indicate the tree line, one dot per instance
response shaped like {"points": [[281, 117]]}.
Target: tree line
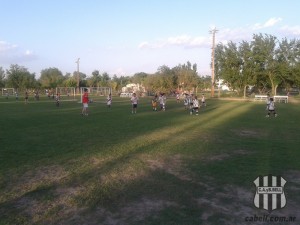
{"points": [[262, 65], [183, 77]]}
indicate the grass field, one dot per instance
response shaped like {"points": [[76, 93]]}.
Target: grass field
{"points": [[114, 167]]}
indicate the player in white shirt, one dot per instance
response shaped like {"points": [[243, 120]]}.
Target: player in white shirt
{"points": [[186, 101], [162, 101], [108, 100], [195, 106], [134, 101], [271, 108], [177, 97]]}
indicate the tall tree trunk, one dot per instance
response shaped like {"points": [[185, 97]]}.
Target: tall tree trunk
{"points": [[275, 89], [272, 83], [245, 90]]}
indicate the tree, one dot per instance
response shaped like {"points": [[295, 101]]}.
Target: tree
{"points": [[2, 78], [69, 82], [288, 58], [228, 65], [264, 62], [104, 80], [51, 78], [139, 78], [264, 54], [165, 80], [95, 79], [82, 79], [248, 75], [18, 77]]}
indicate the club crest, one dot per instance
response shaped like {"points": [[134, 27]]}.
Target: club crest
{"points": [[269, 193]]}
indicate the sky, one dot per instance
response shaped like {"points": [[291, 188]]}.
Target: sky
{"points": [[124, 37]]}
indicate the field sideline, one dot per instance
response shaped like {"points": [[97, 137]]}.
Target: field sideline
{"points": [[114, 167]]}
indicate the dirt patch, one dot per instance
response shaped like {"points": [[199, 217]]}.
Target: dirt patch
{"points": [[33, 180], [219, 157], [236, 203], [224, 156], [172, 165], [134, 212], [249, 133], [292, 176]]}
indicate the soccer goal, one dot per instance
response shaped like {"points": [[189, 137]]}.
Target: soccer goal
{"points": [[95, 93], [68, 92], [7, 91]]}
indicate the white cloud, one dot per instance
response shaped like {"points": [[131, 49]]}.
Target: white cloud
{"points": [[185, 41], [223, 35], [246, 32], [294, 30], [12, 53], [29, 53], [144, 44], [6, 47], [269, 23]]}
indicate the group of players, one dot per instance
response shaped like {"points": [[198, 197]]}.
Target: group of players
{"points": [[191, 102]]}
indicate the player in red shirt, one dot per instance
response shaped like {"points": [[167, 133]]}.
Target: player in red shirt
{"points": [[85, 102]]}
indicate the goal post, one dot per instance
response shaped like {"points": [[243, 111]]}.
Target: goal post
{"points": [[95, 93], [69, 92], [7, 91]]}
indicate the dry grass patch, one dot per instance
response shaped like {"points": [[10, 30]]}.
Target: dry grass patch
{"points": [[172, 165], [249, 133]]}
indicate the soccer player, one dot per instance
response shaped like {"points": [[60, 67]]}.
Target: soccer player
{"points": [[108, 101], [177, 97], [162, 101], [195, 105], [26, 97], [85, 103], [186, 101], [134, 102], [57, 98], [268, 102], [191, 98], [154, 103], [271, 108], [203, 103]]}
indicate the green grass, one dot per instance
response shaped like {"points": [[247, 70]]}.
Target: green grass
{"points": [[114, 167]]}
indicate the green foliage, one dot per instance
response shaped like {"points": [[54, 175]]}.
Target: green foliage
{"points": [[265, 63], [2, 77], [51, 78], [18, 77]]}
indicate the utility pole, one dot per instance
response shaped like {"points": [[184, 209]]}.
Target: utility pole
{"points": [[213, 32], [77, 88]]}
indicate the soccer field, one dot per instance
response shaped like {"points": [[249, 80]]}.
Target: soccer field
{"points": [[115, 167]]}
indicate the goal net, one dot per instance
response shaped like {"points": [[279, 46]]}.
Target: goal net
{"points": [[7, 91], [66, 92], [96, 94]]}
